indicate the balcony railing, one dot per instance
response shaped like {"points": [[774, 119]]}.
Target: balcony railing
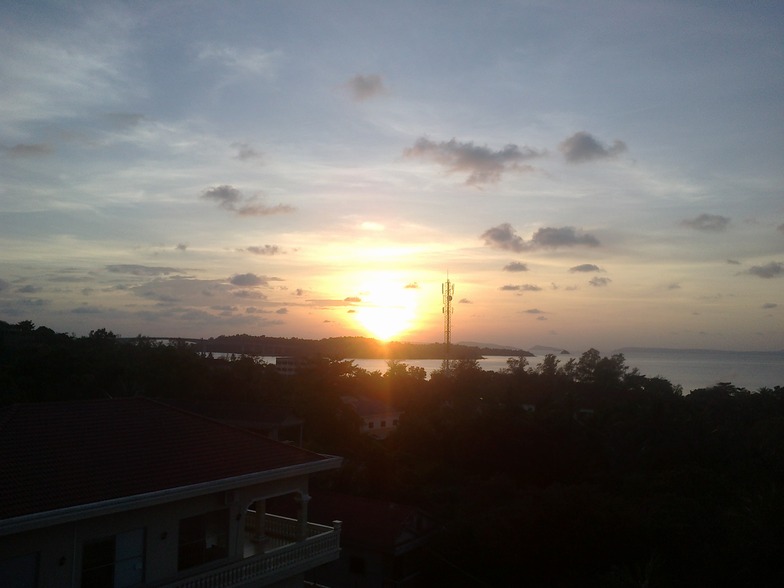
{"points": [[321, 545]]}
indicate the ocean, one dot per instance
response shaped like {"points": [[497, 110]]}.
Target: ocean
{"points": [[690, 368]]}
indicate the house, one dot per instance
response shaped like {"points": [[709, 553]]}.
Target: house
{"points": [[133, 492], [383, 544], [378, 419]]}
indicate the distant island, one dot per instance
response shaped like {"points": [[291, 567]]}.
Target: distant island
{"points": [[547, 350], [341, 348]]}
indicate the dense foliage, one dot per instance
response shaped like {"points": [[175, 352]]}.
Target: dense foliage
{"points": [[575, 473]]}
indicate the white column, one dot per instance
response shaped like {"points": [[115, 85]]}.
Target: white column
{"points": [[302, 515]]}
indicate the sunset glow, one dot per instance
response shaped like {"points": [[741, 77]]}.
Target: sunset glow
{"points": [[588, 174]]}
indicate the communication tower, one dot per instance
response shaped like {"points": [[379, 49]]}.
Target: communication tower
{"points": [[447, 292]]}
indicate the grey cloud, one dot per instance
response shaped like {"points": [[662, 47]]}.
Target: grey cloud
{"points": [[230, 198], [266, 250], [411, 286], [707, 222], [29, 150], [464, 301], [780, 228], [773, 269], [28, 289], [585, 267], [364, 87], [181, 246], [248, 279], [282, 311], [4, 285], [733, 262], [124, 119], [521, 288], [250, 294], [533, 311], [226, 196], [503, 237], [482, 164], [583, 146], [515, 266], [141, 270], [352, 299], [769, 305], [599, 282], [552, 237], [299, 292], [86, 310], [246, 152]]}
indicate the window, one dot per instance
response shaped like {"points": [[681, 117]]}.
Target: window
{"points": [[383, 424], [203, 538], [371, 424], [20, 571], [114, 562]]}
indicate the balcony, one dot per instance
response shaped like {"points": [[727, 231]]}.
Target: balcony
{"points": [[279, 556]]}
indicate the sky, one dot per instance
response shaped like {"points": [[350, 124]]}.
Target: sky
{"points": [[585, 174]]}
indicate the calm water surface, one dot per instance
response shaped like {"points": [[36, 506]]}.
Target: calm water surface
{"points": [[690, 368]]}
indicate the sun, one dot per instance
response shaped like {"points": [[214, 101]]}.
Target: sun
{"points": [[386, 311]]}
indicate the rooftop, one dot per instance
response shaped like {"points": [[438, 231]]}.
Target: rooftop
{"points": [[58, 455]]}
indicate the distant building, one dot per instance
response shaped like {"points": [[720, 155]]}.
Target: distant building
{"points": [[378, 419], [132, 492]]}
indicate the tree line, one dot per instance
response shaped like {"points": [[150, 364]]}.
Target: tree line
{"points": [[576, 472]]}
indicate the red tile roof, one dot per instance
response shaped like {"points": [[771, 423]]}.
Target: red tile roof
{"points": [[65, 454]]}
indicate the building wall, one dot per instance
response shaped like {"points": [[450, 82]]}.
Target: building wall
{"points": [[60, 547]]}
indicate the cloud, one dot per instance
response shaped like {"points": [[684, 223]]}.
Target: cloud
{"points": [[282, 311], [707, 222], [464, 301], [4, 285], [733, 262], [249, 279], [585, 267], [770, 305], [533, 311], [774, 269], [142, 270], [364, 87], [352, 299], [503, 237], [230, 198], [583, 146], [482, 164], [29, 150], [780, 228], [598, 282], [181, 246], [242, 62], [28, 289], [266, 250], [552, 237], [245, 152], [520, 288], [124, 120], [411, 286], [515, 266]]}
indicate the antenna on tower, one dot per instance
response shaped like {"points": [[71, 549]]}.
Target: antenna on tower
{"points": [[447, 292]]}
